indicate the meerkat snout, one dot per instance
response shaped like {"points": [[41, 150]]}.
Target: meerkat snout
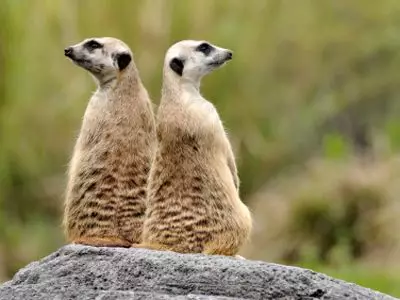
{"points": [[222, 58], [68, 52]]}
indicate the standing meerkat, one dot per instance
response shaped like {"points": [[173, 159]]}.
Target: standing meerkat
{"points": [[193, 203], [108, 172]]}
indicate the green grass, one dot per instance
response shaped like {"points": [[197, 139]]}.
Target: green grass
{"points": [[384, 281]]}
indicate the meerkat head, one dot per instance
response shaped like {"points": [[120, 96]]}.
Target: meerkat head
{"points": [[192, 60], [103, 57]]}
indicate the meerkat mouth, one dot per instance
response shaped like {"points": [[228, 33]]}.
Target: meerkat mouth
{"points": [[217, 63], [220, 62], [81, 62]]}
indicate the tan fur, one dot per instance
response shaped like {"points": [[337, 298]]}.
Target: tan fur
{"points": [[193, 202], [107, 179]]}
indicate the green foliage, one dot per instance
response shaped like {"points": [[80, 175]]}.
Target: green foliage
{"points": [[393, 131], [371, 278], [334, 146], [343, 218], [308, 78]]}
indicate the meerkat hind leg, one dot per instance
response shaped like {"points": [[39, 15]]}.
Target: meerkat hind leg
{"points": [[102, 242]]}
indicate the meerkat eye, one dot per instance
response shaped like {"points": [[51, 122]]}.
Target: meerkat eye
{"points": [[204, 48], [92, 44]]}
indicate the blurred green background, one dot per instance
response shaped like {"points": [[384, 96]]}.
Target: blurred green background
{"points": [[311, 102]]}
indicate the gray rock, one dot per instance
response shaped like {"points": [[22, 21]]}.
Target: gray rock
{"points": [[80, 272]]}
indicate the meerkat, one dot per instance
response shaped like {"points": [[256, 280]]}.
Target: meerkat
{"points": [[193, 193], [108, 172]]}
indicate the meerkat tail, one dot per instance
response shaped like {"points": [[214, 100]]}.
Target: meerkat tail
{"points": [[149, 246]]}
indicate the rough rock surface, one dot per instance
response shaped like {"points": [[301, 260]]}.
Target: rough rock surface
{"points": [[80, 272]]}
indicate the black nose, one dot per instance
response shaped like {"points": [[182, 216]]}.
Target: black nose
{"points": [[229, 55], [68, 51]]}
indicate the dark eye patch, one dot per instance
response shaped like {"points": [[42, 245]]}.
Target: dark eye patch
{"points": [[92, 44], [204, 48]]}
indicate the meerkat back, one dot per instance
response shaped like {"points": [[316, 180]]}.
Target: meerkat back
{"points": [[108, 172], [193, 203]]}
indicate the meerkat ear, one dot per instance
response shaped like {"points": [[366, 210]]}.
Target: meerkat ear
{"points": [[177, 66], [123, 59]]}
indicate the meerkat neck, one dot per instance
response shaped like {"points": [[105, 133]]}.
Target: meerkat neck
{"points": [[190, 86], [107, 82], [126, 83], [173, 87]]}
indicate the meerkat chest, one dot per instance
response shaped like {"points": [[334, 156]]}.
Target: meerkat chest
{"points": [[207, 123], [97, 105], [202, 110]]}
